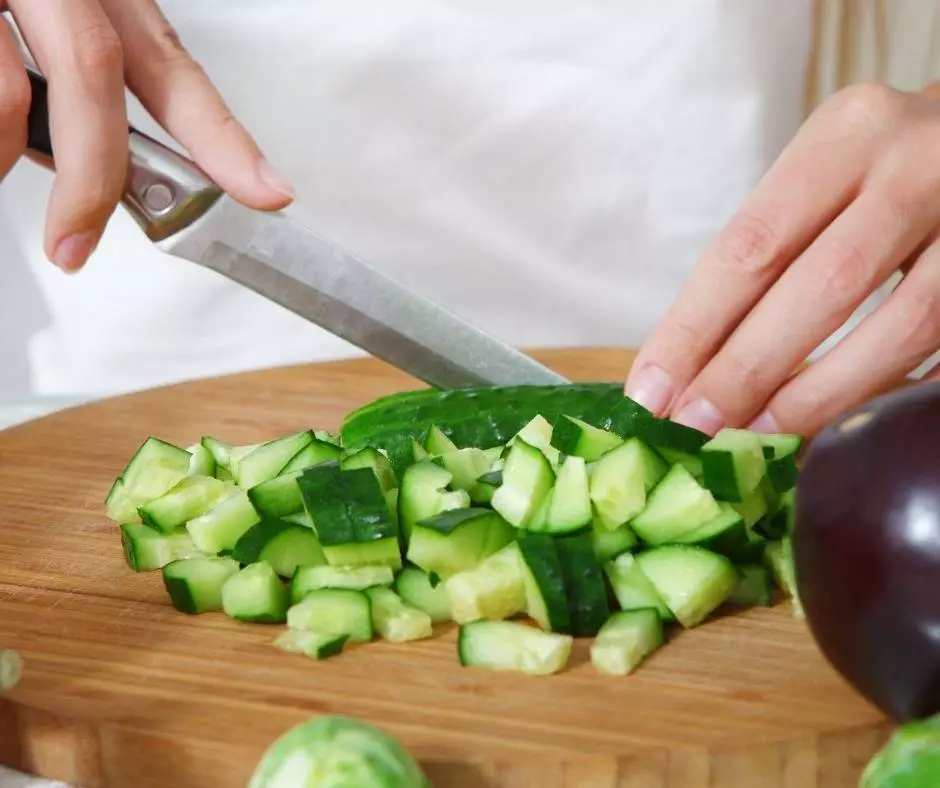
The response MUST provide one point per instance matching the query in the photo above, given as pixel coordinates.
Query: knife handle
(164, 191)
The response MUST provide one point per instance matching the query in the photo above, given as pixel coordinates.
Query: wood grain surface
(121, 691)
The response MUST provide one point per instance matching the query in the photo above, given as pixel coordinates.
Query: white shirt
(549, 170)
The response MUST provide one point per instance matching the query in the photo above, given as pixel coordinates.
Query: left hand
(852, 199)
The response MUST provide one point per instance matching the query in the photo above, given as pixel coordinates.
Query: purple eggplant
(866, 548)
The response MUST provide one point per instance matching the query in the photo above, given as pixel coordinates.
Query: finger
(179, 95)
(812, 181)
(896, 338)
(810, 301)
(15, 98)
(80, 54)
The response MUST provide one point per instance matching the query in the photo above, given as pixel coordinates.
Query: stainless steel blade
(289, 264)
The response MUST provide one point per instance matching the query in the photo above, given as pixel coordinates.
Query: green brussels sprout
(910, 758)
(337, 752)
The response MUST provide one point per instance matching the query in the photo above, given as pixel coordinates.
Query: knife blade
(186, 215)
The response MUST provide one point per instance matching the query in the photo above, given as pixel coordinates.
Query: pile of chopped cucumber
(527, 530)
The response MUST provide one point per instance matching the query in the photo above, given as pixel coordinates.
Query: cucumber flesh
(334, 611)
(375, 461)
(189, 498)
(396, 621)
(573, 436)
(146, 549)
(725, 534)
(437, 443)
(155, 467)
(313, 453)
(733, 464)
(277, 497)
(194, 585)
(359, 578)
(223, 525)
(201, 461)
(315, 645)
(633, 588)
(544, 583)
(568, 507)
(466, 466)
(255, 594)
(692, 581)
(424, 493)
(678, 505)
(609, 544)
(268, 459)
(618, 484)
(414, 587)
(755, 586)
(512, 646)
(527, 479)
(283, 545)
(457, 540)
(493, 590)
(780, 452)
(625, 640)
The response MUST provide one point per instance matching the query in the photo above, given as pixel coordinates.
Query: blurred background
(893, 41)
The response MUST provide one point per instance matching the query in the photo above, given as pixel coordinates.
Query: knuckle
(168, 45)
(746, 378)
(921, 311)
(98, 50)
(844, 271)
(749, 244)
(867, 104)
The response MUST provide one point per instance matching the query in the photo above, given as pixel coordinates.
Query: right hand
(88, 50)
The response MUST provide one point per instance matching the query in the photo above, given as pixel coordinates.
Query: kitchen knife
(186, 215)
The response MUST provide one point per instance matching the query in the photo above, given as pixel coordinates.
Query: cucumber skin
(540, 556)
(584, 584)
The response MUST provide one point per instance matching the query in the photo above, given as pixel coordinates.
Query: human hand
(852, 199)
(88, 50)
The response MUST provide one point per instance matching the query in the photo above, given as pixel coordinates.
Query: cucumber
(414, 587)
(578, 438)
(119, 506)
(195, 584)
(617, 413)
(512, 646)
(779, 558)
(351, 514)
(268, 459)
(219, 450)
(255, 594)
(334, 611)
(725, 534)
(544, 583)
(223, 525)
(359, 578)
(466, 466)
(755, 586)
(568, 506)
(779, 522)
(189, 498)
(733, 464)
(437, 443)
(677, 505)
(691, 462)
(609, 544)
(538, 433)
(301, 518)
(315, 645)
(692, 581)
(752, 508)
(457, 540)
(146, 549)
(277, 497)
(493, 590)
(155, 467)
(618, 484)
(527, 479)
(313, 453)
(201, 461)
(424, 494)
(283, 545)
(394, 620)
(632, 587)
(780, 453)
(625, 640)
(375, 461)
(583, 581)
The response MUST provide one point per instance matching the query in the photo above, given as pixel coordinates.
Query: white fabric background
(549, 170)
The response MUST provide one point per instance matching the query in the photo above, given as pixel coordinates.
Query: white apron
(549, 170)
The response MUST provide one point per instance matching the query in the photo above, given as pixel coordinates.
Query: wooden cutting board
(121, 691)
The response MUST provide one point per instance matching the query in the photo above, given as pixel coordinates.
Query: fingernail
(765, 424)
(274, 179)
(73, 251)
(652, 388)
(700, 414)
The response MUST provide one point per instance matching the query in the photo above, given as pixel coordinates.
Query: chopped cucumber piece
(119, 505)
(457, 540)
(394, 620)
(609, 544)
(568, 505)
(146, 549)
(301, 518)
(466, 466)
(256, 594)
(493, 590)
(313, 453)
(155, 467)
(755, 586)
(527, 479)
(780, 453)
(625, 640)
(733, 464)
(544, 583)
(375, 461)
(779, 522)
(725, 534)
(219, 450)
(632, 587)
(691, 462)
(359, 578)
(752, 508)
(283, 545)
(424, 494)
(268, 459)
(334, 611)
(277, 497)
(195, 584)
(677, 505)
(414, 587)
(314, 644)
(223, 525)
(201, 461)
(692, 581)
(538, 433)
(189, 498)
(437, 443)
(513, 646)
(779, 557)
(576, 437)
(584, 584)
(618, 484)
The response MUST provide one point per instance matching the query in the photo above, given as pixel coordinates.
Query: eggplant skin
(866, 546)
